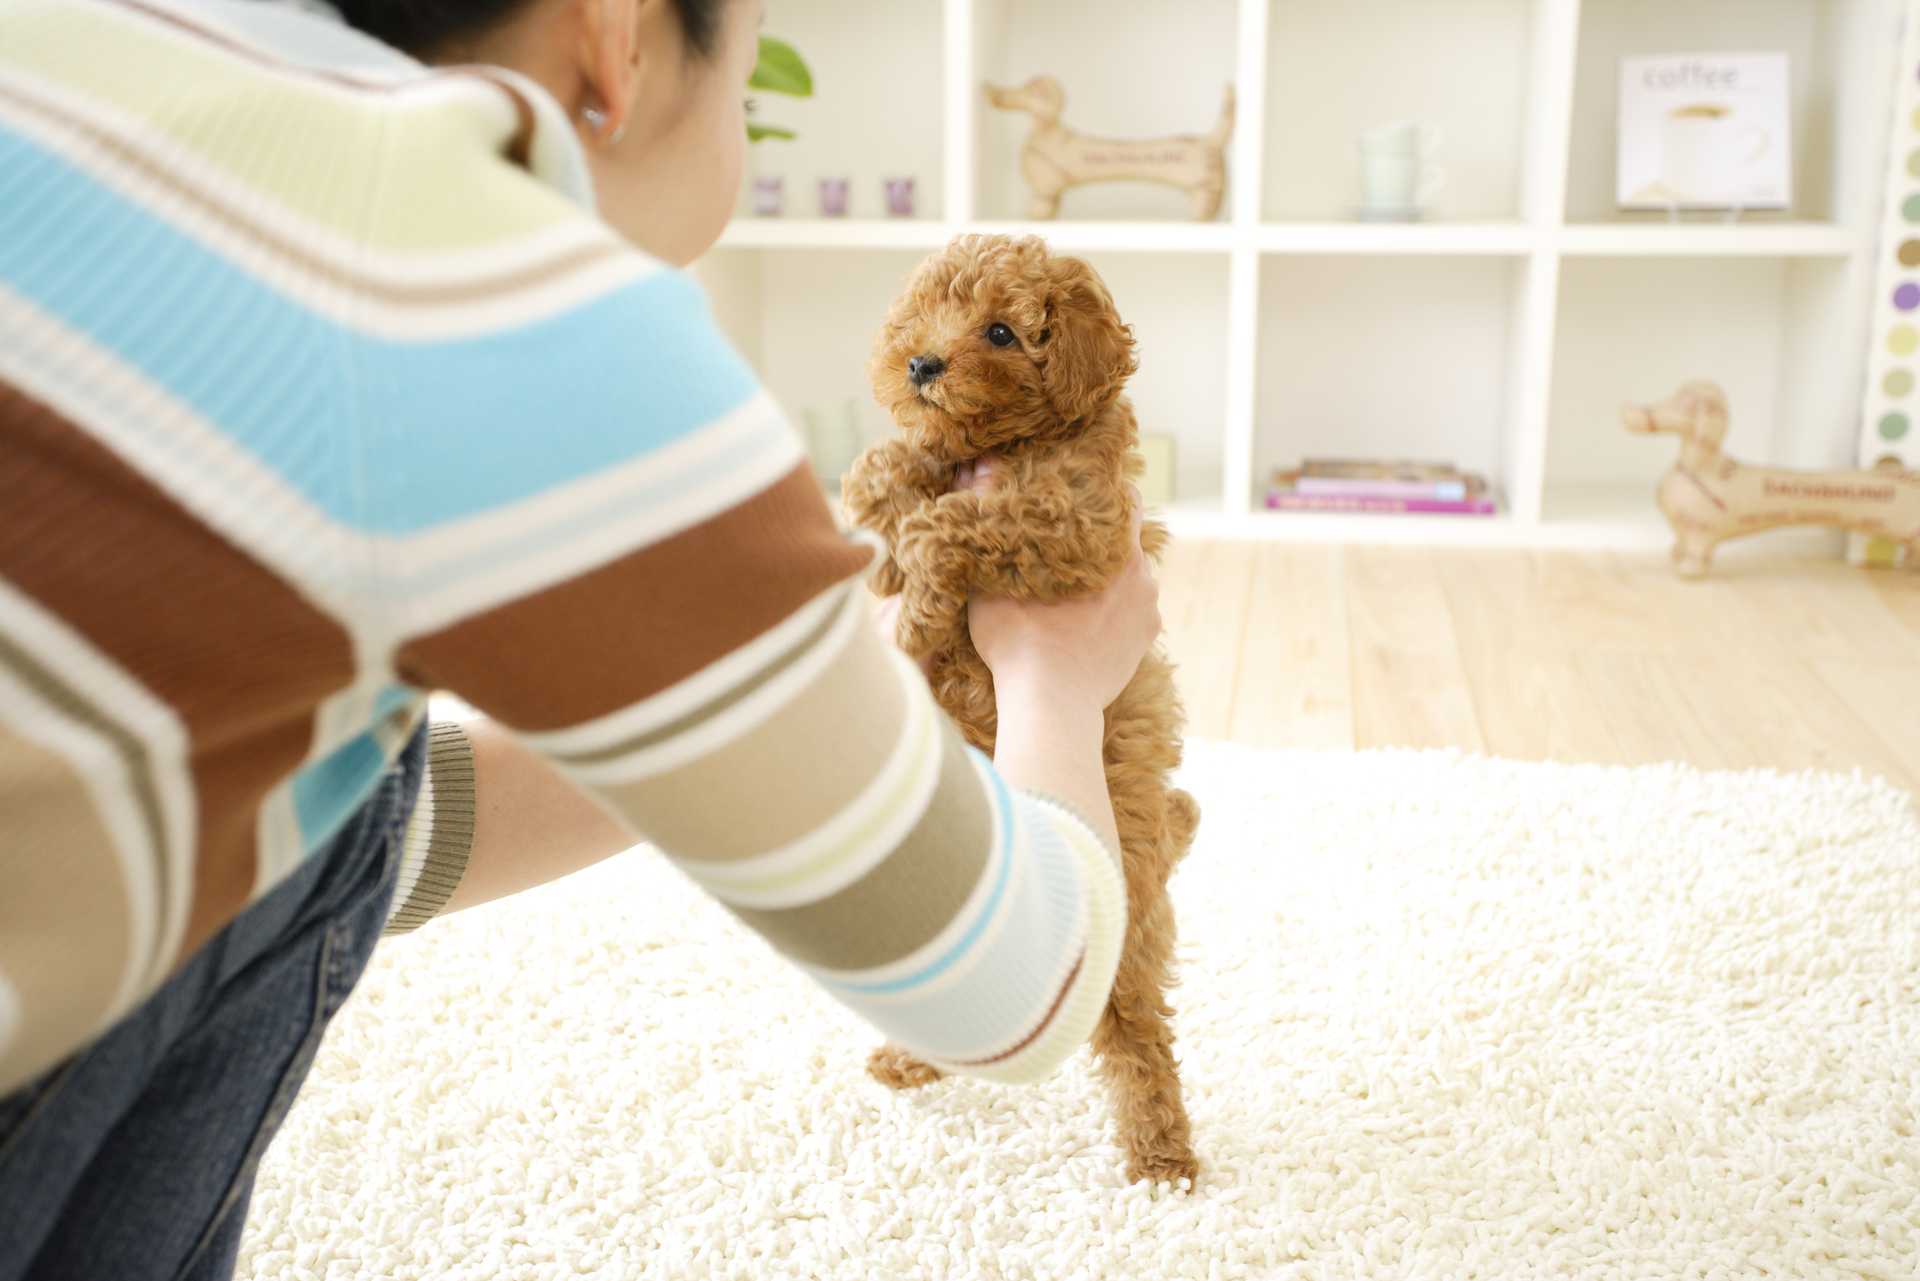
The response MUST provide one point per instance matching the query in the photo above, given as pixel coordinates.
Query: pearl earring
(597, 121)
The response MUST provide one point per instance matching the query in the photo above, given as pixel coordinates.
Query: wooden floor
(1549, 655)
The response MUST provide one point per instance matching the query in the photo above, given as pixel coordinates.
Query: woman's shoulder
(402, 315)
(275, 113)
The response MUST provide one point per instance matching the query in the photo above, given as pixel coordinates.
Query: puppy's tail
(1224, 129)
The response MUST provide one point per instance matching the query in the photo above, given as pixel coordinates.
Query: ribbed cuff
(1074, 814)
(433, 854)
(1080, 1005)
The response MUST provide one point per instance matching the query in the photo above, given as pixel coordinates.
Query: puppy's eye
(999, 335)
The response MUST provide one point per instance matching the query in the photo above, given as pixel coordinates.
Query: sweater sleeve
(680, 626)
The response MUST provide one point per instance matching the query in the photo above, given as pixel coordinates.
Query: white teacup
(1397, 170)
(1705, 151)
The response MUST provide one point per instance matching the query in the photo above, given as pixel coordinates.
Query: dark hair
(419, 27)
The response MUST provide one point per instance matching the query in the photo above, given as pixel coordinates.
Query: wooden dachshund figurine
(1708, 497)
(1056, 157)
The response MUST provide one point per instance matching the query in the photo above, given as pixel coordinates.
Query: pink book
(1356, 487)
(1286, 501)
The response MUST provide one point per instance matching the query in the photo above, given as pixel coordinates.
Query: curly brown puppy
(999, 346)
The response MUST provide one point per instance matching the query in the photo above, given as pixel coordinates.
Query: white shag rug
(1442, 1017)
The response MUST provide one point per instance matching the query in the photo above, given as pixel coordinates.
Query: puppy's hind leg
(895, 1068)
(1134, 1043)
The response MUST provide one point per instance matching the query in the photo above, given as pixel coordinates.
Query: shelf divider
(1533, 314)
(1554, 66)
(1243, 356)
(1247, 178)
(962, 113)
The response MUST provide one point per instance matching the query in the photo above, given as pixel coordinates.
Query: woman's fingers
(886, 617)
(978, 474)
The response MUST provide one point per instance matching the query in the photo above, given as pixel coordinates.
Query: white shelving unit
(1503, 332)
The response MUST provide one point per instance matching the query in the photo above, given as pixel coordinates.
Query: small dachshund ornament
(1708, 497)
(1055, 157)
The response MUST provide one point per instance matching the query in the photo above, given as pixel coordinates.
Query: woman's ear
(1088, 353)
(609, 56)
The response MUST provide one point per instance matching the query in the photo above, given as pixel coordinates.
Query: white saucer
(1389, 213)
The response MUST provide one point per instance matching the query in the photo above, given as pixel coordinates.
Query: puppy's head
(994, 341)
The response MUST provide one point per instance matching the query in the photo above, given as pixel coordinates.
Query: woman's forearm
(1051, 744)
(530, 824)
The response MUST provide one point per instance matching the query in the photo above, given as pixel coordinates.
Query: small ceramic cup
(1397, 171)
(769, 196)
(833, 197)
(899, 197)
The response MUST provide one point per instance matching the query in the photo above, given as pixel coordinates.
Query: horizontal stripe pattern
(868, 843)
(109, 161)
(321, 387)
(236, 653)
(70, 946)
(109, 56)
(433, 402)
(631, 629)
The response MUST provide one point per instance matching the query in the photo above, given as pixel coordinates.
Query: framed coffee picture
(1704, 131)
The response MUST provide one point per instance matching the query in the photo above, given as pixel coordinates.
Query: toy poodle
(999, 346)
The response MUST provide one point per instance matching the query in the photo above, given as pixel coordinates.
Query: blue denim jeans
(135, 1158)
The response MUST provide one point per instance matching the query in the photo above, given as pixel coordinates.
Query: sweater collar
(312, 34)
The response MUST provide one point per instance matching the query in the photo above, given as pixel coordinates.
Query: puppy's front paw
(886, 482)
(894, 1068)
(1168, 1165)
(931, 619)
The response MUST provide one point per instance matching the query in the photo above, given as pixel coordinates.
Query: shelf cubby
(1836, 113)
(892, 104)
(1103, 52)
(1634, 329)
(1394, 358)
(1344, 66)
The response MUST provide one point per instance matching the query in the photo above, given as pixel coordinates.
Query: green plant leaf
(756, 131)
(781, 70)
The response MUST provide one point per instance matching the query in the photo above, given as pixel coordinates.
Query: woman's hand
(1083, 648)
(886, 617)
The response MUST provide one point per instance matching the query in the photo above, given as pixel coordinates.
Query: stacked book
(1366, 485)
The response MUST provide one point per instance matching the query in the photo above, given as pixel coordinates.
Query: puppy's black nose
(924, 369)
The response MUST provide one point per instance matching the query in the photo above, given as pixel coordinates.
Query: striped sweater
(322, 387)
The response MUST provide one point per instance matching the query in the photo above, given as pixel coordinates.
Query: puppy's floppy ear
(1088, 353)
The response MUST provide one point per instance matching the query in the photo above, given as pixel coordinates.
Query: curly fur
(1057, 524)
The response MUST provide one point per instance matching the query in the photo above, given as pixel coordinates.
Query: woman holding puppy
(344, 356)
